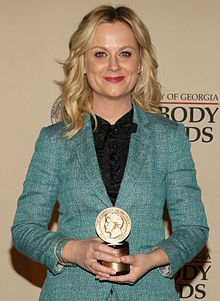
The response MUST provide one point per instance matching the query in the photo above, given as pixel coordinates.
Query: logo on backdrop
(191, 280)
(196, 110)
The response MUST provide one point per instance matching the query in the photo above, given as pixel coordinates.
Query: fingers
(101, 270)
(104, 275)
(128, 259)
(103, 252)
(96, 251)
(105, 249)
(127, 279)
(89, 254)
(106, 257)
(138, 267)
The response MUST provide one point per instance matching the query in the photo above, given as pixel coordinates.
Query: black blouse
(112, 144)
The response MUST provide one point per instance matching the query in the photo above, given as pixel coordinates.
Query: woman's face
(109, 225)
(112, 62)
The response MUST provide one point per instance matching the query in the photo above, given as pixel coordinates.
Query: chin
(117, 95)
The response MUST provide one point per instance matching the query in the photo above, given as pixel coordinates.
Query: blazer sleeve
(30, 232)
(186, 211)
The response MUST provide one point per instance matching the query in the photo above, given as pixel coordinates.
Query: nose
(113, 64)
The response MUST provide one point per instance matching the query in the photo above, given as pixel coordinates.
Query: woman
(111, 148)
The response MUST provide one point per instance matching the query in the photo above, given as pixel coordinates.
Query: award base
(120, 268)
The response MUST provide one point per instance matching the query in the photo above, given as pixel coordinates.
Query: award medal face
(113, 225)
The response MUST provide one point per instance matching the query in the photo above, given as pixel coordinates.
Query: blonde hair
(76, 92)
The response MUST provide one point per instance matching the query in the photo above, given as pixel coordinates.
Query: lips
(116, 79)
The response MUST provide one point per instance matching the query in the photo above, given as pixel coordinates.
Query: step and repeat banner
(198, 112)
(186, 35)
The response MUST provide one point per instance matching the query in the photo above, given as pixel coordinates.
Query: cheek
(93, 67)
(134, 67)
(131, 68)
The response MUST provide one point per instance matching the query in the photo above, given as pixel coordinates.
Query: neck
(111, 110)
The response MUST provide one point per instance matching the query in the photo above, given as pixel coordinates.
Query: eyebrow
(104, 48)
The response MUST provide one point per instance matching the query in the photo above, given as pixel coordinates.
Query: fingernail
(115, 252)
(113, 272)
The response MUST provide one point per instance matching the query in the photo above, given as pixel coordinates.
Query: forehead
(114, 34)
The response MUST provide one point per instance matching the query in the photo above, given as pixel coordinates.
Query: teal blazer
(159, 167)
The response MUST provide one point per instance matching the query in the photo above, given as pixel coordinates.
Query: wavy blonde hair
(76, 92)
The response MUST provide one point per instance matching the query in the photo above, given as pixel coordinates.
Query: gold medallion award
(113, 225)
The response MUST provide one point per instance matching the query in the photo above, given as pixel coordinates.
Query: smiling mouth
(114, 79)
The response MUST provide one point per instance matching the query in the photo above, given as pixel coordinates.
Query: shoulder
(53, 132)
(164, 130)
(156, 117)
(51, 136)
(168, 133)
(158, 122)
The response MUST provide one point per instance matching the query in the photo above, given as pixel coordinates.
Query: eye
(125, 53)
(100, 54)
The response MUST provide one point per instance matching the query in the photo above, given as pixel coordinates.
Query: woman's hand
(87, 253)
(138, 267)
(140, 264)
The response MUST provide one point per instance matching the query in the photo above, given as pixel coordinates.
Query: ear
(139, 68)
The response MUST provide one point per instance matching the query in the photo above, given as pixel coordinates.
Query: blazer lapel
(85, 149)
(137, 155)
